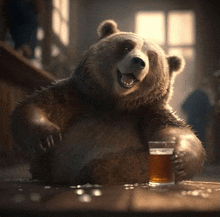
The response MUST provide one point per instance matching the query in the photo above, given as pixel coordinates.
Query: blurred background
(191, 28)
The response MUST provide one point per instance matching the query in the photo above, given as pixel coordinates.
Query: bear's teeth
(127, 80)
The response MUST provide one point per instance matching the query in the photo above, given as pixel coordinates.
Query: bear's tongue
(128, 79)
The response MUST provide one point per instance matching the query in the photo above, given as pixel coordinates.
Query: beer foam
(161, 151)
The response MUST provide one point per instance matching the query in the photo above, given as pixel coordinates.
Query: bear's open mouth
(126, 80)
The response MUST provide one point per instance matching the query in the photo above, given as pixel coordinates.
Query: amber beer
(160, 171)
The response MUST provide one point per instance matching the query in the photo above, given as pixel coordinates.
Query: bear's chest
(111, 131)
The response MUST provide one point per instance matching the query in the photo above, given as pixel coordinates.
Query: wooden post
(47, 27)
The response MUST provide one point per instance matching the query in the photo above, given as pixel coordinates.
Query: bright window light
(60, 18)
(151, 26)
(181, 27)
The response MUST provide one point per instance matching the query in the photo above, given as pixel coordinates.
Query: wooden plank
(63, 198)
(186, 196)
(47, 26)
(184, 199)
(17, 70)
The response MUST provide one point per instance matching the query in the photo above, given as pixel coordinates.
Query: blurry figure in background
(215, 121)
(198, 106)
(22, 21)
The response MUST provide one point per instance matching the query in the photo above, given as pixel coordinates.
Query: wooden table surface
(189, 198)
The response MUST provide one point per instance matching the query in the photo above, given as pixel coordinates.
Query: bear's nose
(139, 62)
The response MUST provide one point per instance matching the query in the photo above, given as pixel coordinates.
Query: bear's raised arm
(39, 121)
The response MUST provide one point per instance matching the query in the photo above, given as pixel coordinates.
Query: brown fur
(115, 102)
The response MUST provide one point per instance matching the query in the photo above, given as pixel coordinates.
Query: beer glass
(160, 171)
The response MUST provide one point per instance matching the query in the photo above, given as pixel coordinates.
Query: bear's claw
(177, 162)
(50, 141)
(60, 135)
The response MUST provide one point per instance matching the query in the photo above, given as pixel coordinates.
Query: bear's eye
(127, 46)
(126, 49)
(152, 57)
(151, 61)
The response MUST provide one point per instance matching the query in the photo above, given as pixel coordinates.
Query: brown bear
(94, 127)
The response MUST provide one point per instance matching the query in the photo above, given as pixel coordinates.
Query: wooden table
(189, 198)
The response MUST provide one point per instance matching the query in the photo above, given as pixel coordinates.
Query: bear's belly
(111, 134)
(101, 145)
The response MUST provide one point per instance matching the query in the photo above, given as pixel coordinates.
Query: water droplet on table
(204, 195)
(184, 193)
(129, 188)
(85, 198)
(96, 192)
(195, 193)
(18, 198)
(79, 191)
(35, 197)
(128, 185)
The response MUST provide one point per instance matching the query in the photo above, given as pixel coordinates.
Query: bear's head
(124, 68)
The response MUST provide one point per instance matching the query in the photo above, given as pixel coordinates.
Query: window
(151, 25)
(174, 31)
(60, 17)
(60, 26)
(38, 50)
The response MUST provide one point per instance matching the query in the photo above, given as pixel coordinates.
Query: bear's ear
(176, 63)
(107, 28)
